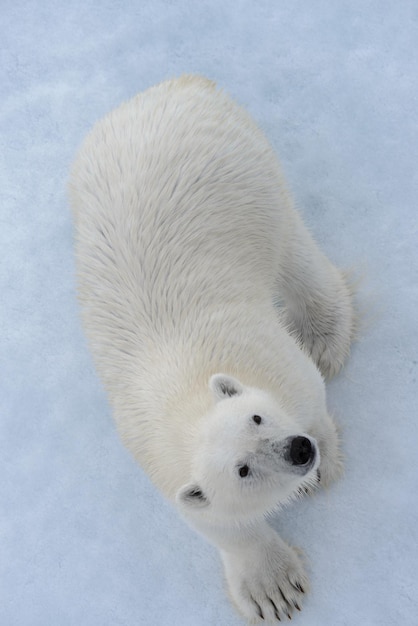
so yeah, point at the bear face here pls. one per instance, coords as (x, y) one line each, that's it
(251, 456)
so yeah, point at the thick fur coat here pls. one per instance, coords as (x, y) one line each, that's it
(186, 240)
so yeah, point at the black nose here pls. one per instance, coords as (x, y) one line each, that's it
(301, 451)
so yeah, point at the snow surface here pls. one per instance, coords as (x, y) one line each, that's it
(84, 537)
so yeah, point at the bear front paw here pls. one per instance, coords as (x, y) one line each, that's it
(266, 583)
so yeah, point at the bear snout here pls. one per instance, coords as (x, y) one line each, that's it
(298, 451)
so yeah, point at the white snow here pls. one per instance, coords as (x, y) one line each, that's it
(84, 537)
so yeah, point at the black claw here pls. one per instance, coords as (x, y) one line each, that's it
(289, 616)
(318, 476)
(259, 611)
(298, 586)
(276, 612)
(296, 605)
(285, 599)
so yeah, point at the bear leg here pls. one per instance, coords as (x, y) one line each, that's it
(317, 300)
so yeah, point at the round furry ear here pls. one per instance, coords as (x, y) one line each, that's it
(192, 496)
(223, 386)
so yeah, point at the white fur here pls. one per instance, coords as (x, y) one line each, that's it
(185, 238)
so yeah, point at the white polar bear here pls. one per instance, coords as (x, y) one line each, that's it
(186, 239)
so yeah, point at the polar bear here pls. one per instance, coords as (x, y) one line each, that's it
(213, 318)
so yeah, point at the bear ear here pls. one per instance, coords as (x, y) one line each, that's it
(192, 496)
(223, 386)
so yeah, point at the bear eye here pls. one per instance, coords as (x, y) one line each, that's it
(257, 419)
(244, 470)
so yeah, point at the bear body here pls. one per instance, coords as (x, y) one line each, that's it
(186, 241)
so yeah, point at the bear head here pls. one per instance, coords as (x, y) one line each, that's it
(251, 456)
